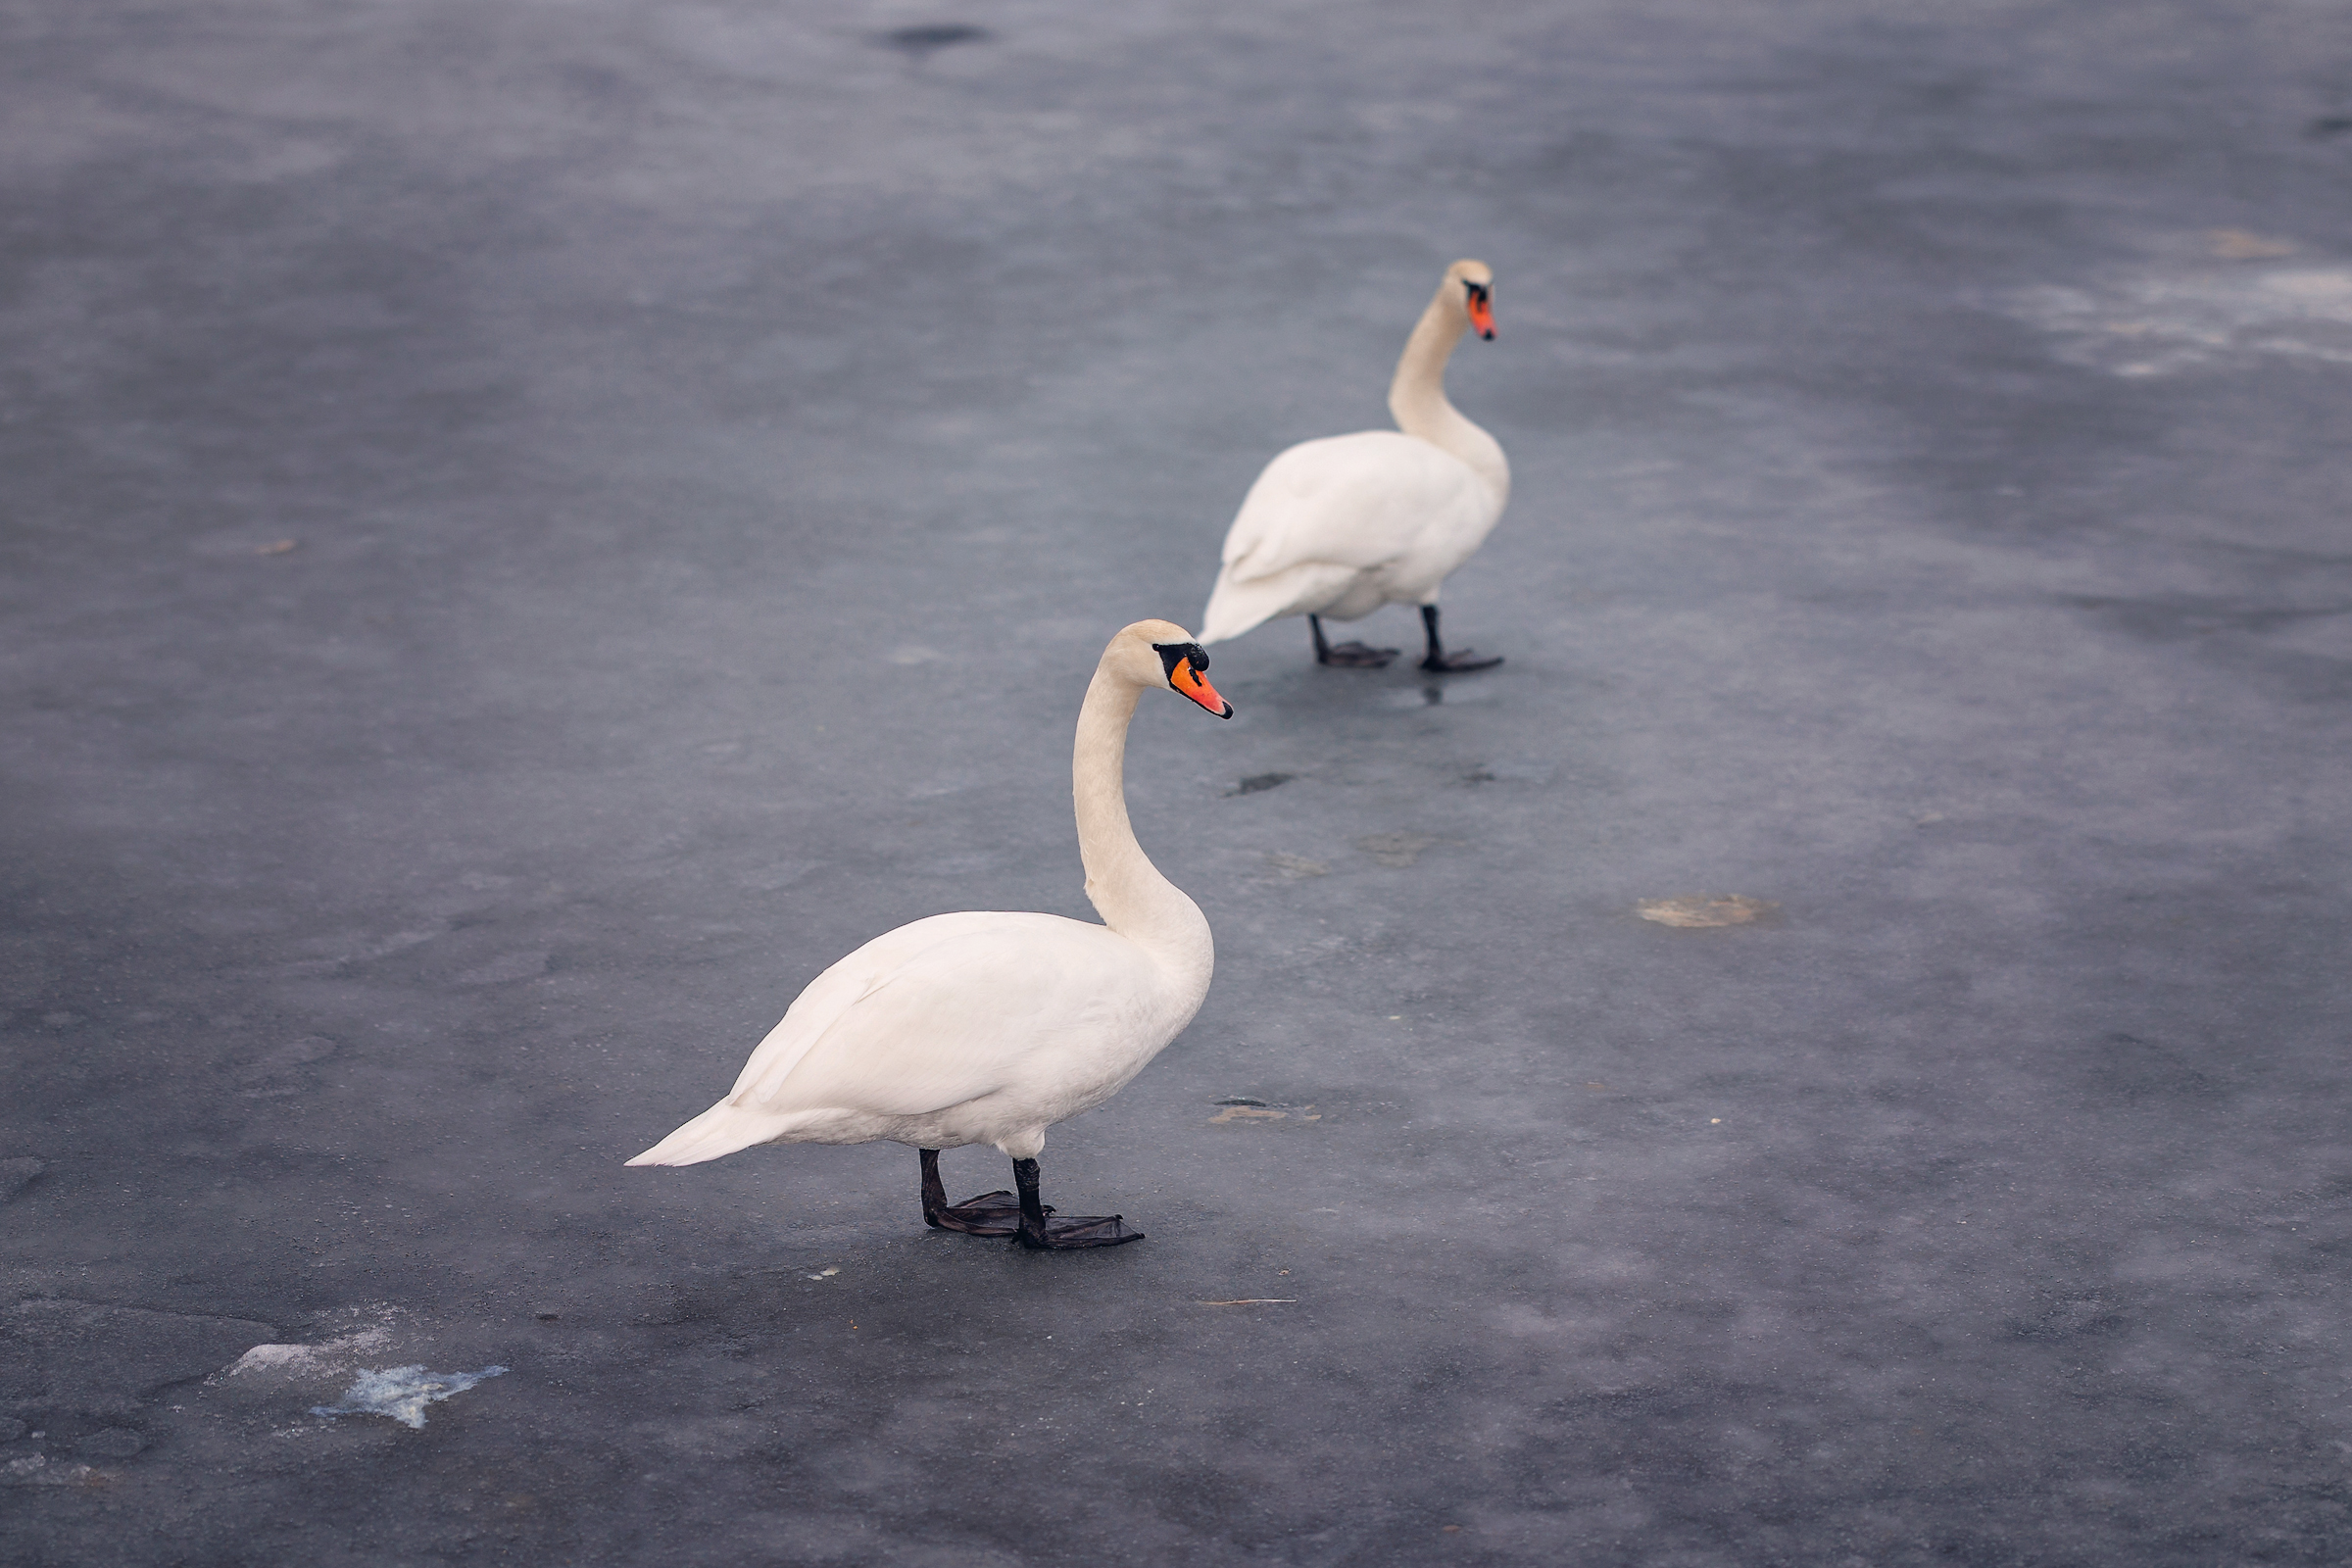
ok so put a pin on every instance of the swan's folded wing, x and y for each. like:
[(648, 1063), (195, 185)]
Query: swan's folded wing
[(833, 993), (1354, 500), (937, 1018)]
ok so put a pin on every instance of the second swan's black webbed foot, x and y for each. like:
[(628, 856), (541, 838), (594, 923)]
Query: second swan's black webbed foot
[(1438, 662), (1040, 1234), (1459, 663), (1348, 655)]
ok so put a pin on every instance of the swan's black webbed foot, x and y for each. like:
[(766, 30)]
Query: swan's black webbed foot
[(1068, 1235), (997, 1213), (1348, 655), (1438, 662), (1460, 663), (1040, 1234)]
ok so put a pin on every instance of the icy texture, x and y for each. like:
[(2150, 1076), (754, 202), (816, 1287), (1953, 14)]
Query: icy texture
[(403, 1391)]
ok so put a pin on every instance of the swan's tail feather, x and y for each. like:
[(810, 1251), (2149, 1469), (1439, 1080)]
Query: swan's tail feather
[(722, 1130), (1237, 608)]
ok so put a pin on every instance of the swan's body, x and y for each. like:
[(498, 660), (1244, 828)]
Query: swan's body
[(985, 1027), (1342, 525), (989, 1026)]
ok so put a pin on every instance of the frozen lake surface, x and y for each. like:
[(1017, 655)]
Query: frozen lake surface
[(529, 530)]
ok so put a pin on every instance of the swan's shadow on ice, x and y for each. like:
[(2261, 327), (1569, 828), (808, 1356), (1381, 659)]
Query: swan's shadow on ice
[(923, 41), (1439, 694)]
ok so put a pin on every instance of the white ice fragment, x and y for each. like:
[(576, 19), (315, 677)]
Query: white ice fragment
[(402, 1392), (330, 1356)]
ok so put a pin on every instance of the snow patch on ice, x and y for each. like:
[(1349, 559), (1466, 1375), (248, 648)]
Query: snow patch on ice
[(331, 1356), (2161, 320)]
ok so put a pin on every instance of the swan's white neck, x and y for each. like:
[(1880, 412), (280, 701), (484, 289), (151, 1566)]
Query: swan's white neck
[(1124, 886), (1417, 394)]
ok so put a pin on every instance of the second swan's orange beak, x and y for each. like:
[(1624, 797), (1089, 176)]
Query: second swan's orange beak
[(1482, 314), (1189, 682)]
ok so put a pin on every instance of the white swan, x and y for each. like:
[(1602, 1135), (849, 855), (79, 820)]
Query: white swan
[(1342, 525), (988, 1027)]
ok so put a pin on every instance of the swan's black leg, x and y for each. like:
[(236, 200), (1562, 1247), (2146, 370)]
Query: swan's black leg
[(1442, 662), (1042, 1235), (1348, 655), (996, 1214)]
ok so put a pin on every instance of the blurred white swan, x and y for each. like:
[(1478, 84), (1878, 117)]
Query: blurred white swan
[(1344, 524)]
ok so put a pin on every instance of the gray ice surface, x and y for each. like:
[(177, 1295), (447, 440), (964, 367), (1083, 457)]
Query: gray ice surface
[(526, 530)]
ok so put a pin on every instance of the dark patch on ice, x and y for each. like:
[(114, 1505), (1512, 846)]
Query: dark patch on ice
[(17, 1174), (926, 39)]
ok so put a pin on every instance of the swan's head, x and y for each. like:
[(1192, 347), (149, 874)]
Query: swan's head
[(1161, 653), (1476, 283)]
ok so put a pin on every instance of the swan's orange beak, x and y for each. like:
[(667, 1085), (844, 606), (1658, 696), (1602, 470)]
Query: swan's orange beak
[(1189, 682), (1482, 314)]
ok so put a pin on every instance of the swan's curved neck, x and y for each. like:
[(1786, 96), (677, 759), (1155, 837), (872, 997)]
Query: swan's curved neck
[(1417, 394), (1124, 886)]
